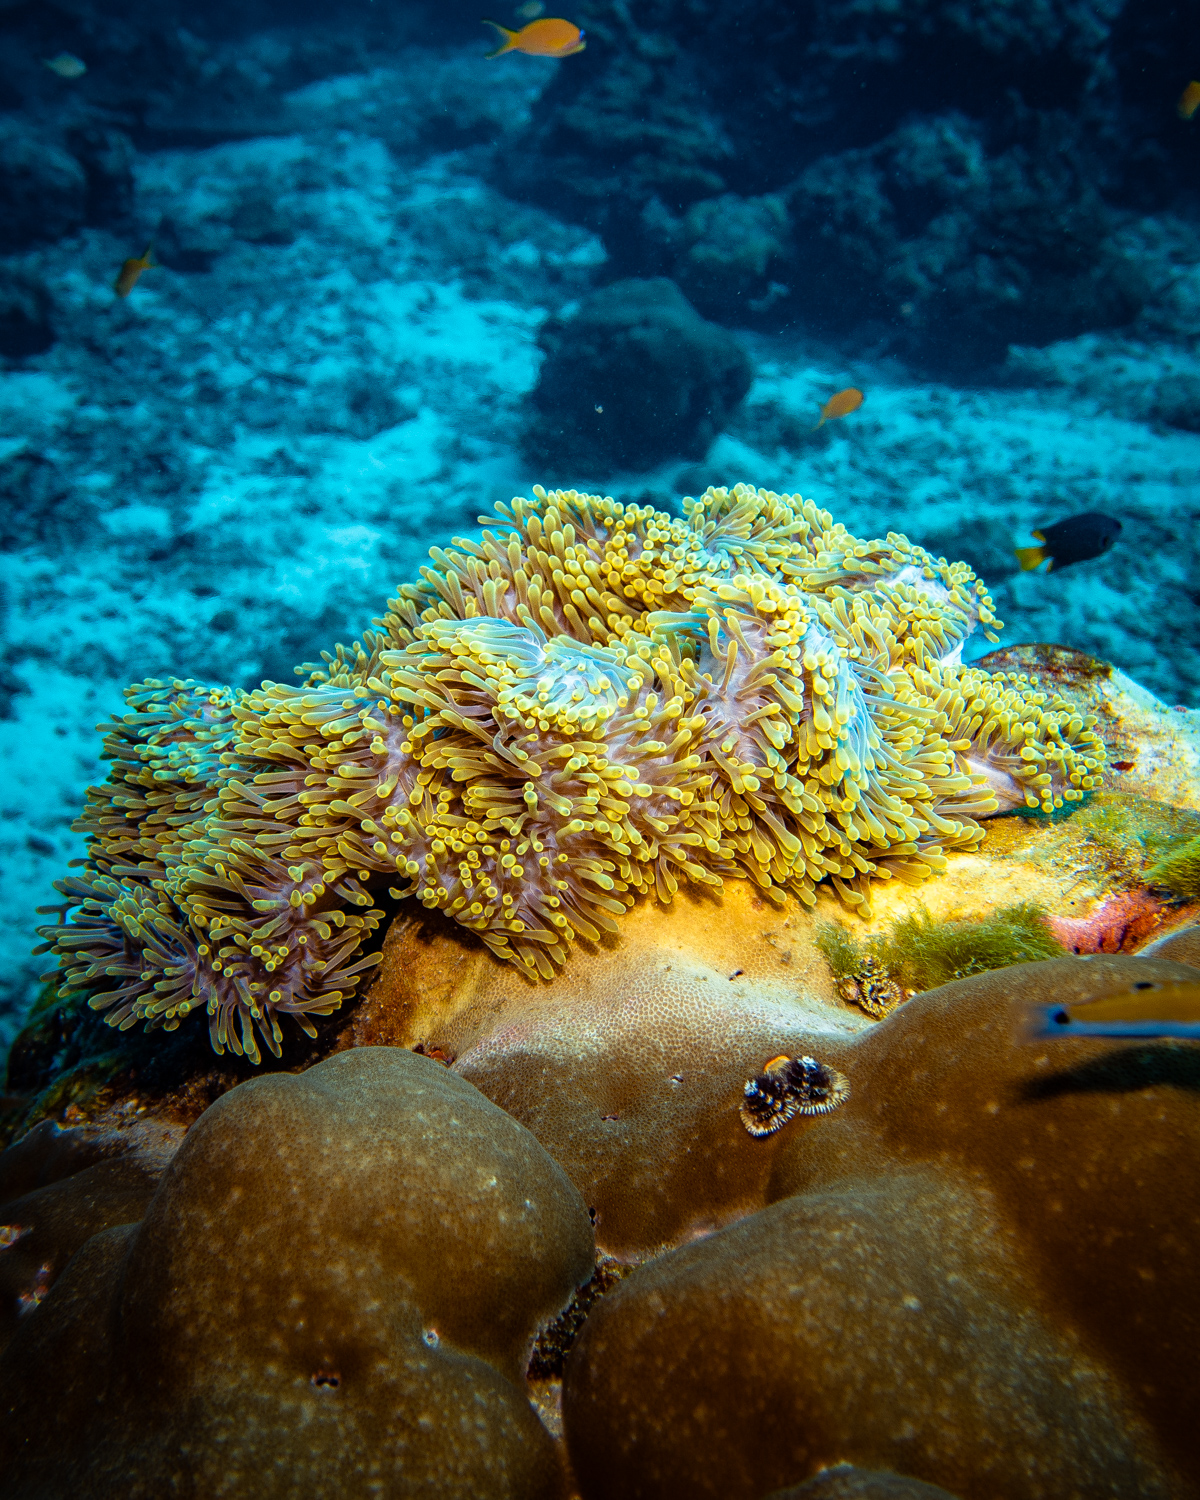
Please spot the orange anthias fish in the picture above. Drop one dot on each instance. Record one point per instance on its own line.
(1189, 101)
(127, 276)
(841, 405)
(1151, 1008)
(549, 37)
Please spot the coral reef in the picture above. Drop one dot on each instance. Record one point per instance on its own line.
(980, 193)
(593, 703)
(1119, 836)
(730, 248)
(250, 936)
(630, 1066)
(180, 527)
(867, 983)
(554, 1342)
(934, 1213)
(946, 212)
(340, 1273)
(912, 1297)
(1153, 747)
(1051, 270)
(59, 1187)
(1181, 946)
(1118, 924)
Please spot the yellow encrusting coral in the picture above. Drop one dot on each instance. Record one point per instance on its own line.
(592, 703)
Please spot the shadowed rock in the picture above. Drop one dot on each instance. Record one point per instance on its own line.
(634, 376)
(42, 187)
(845, 1482)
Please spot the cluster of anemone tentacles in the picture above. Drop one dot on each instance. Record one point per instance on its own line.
(592, 703)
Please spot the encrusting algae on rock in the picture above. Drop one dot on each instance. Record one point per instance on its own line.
(592, 703)
(1178, 871)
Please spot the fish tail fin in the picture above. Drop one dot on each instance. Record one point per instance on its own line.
(150, 264)
(821, 423)
(510, 38)
(1030, 557)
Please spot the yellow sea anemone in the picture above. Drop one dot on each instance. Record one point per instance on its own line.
(590, 704)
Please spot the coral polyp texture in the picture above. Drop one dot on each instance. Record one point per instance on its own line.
(590, 704)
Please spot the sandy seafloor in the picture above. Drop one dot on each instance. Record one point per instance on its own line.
(233, 468)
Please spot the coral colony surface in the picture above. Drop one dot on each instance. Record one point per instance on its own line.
(594, 702)
(744, 1020)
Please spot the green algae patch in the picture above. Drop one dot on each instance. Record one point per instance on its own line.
(1134, 827)
(1116, 839)
(1178, 871)
(840, 949)
(921, 953)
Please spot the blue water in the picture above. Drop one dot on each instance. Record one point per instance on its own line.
(366, 236)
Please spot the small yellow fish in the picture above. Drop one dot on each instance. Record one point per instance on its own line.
(841, 405)
(127, 276)
(66, 65)
(1189, 101)
(1151, 1008)
(550, 37)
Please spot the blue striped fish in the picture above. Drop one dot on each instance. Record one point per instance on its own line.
(1149, 1008)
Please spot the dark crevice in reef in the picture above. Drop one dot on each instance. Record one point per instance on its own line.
(554, 1342)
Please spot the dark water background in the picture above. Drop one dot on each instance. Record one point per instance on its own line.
(395, 281)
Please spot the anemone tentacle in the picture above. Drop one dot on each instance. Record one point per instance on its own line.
(591, 704)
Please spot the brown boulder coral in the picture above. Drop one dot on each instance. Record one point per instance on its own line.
(592, 704)
(1181, 946)
(333, 1291)
(631, 1066)
(978, 1271)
